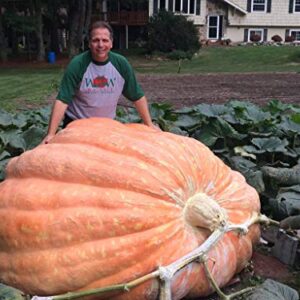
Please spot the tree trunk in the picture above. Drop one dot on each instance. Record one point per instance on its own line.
(87, 20)
(80, 16)
(3, 41)
(39, 31)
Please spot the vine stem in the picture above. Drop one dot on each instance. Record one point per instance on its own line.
(166, 273)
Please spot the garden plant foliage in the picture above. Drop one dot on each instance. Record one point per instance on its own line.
(263, 143)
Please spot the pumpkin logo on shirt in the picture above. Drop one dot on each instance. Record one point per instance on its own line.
(100, 82)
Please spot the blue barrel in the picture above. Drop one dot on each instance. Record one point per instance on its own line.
(51, 57)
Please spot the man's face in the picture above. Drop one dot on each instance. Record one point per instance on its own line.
(100, 44)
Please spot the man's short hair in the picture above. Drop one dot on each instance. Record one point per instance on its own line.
(101, 24)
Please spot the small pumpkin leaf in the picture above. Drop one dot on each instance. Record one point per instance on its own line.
(296, 118)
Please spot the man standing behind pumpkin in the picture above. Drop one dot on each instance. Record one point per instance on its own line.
(94, 81)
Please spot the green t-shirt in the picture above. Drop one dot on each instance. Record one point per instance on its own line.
(92, 89)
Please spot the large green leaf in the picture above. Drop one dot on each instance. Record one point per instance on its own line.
(287, 125)
(250, 170)
(212, 110)
(20, 120)
(159, 111)
(217, 110)
(10, 293)
(273, 290)
(188, 121)
(217, 129)
(249, 113)
(277, 107)
(128, 115)
(33, 136)
(6, 119)
(12, 138)
(3, 164)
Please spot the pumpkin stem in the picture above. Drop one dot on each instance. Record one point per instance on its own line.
(204, 212)
(216, 287)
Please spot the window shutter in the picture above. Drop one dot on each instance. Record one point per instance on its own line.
(287, 33)
(198, 7)
(269, 6)
(249, 5)
(265, 38)
(291, 6)
(246, 35)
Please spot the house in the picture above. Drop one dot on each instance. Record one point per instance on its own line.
(235, 20)
(238, 20)
(128, 19)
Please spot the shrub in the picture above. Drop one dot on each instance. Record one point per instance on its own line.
(255, 38)
(289, 39)
(276, 38)
(168, 32)
(179, 54)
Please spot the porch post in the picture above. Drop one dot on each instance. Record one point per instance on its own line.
(104, 9)
(126, 35)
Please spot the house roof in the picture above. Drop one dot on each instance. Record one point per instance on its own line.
(236, 6)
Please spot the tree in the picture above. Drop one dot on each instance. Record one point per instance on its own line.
(3, 41)
(168, 32)
(80, 16)
(39, 30)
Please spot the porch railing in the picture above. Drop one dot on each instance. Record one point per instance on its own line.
(128, 17)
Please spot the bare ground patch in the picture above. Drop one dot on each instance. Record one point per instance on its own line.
(188, 90)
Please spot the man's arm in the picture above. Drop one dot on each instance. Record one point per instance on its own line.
(141, 106)
(56, 117)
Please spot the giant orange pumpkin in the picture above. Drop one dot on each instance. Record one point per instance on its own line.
(105, 203)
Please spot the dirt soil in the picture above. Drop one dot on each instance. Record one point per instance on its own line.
(188, 90)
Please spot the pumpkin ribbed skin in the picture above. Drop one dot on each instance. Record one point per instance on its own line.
(103, 203)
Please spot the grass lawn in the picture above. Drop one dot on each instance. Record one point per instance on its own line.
(228, 60)
(30, 85)
(27, 87)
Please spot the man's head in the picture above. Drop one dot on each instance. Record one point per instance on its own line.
(100, 40)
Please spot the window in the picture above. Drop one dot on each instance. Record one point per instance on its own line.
(296, 34)
(259, 5)
(297, 6)
(189, 7)
(255, 35)
(213, 27)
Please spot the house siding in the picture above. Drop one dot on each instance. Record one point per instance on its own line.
(237, 34)
(277, 19)
(279, 16)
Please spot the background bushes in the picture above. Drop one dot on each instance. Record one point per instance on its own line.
(168, 32)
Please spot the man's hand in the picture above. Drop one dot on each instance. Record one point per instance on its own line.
(154, 126)
(47, 139)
